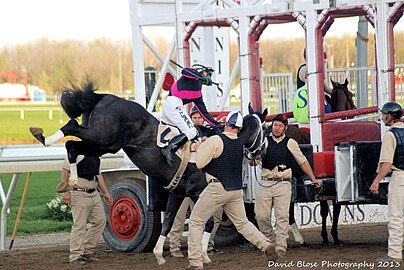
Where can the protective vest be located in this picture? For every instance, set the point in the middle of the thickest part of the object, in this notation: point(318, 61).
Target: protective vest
point(301, 105)
point(278, 155)
point(227, 168)
point(398, 160)
point(88, 168)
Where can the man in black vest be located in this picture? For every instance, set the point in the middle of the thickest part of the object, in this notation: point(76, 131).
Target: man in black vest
point(86, 204)
point(275, 188)
point(221, 158)
point(178, 225)
point(392, 160)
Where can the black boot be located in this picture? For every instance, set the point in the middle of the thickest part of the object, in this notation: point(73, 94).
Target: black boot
point(173, 146)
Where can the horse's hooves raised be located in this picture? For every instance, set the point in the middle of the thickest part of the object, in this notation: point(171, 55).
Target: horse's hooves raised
point(37, 133)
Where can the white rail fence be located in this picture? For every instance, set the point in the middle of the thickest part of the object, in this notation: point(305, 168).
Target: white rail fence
point(19, 159)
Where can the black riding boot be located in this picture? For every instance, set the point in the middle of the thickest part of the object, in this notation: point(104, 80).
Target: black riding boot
point(173, 146)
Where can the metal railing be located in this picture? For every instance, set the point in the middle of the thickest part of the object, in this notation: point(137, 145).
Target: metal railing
point(19, 159)
point(278, 88)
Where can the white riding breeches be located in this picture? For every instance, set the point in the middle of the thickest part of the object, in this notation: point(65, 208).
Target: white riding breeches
point(174, 113)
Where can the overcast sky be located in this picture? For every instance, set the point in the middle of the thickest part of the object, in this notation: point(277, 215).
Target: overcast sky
point(26, 20)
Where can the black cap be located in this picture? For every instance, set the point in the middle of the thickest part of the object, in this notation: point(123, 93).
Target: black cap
point(282, 118)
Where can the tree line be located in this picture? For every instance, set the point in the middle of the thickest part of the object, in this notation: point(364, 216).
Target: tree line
point(50, 63)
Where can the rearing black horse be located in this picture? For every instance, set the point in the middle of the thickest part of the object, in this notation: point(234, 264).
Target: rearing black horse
point(113, 123)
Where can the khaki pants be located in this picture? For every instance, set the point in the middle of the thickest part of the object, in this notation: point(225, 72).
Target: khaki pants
point(396, 215)
point(211, 199)
point(178, 226)
point(85, 206)
point(277, 195)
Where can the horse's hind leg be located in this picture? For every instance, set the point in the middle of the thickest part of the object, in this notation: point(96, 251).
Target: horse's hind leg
point(324, 214)
point(173, 204)
point(334, 229)
point(293, 226)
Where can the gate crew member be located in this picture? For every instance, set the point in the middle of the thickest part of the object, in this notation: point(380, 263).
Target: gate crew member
point(86, 204)
point(178, 225)
point(392, 159)
point(275, 188)
point(187, 89)
point(221, 158)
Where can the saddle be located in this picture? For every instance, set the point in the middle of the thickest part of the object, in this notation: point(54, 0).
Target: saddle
point(165, 133)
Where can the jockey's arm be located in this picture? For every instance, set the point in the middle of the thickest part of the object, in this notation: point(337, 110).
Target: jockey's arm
point(192, 74)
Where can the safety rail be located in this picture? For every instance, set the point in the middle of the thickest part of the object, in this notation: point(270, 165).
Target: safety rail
point(17, 159)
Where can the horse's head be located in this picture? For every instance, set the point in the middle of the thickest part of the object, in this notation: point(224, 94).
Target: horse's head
point(341, 97)
point(253, 134)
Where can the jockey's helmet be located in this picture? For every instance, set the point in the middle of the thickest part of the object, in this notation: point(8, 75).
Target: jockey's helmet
point(234, 119)
point(193, 110)
point(392, 108)
point(202, 65)
point(282, 118)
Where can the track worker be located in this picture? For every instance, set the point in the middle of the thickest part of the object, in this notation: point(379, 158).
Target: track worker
point(221, 157)
point(187, 89)
point(275, 188)
point(86, 204)
point(392, 160)
point(179, 221)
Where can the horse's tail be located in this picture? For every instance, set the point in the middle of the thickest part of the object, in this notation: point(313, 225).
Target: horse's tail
point(76, 100)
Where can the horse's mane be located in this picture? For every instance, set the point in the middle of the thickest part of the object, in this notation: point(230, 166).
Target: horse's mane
point(78, 99)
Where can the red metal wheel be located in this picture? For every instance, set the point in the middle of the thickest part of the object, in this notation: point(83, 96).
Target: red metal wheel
point(125, 217)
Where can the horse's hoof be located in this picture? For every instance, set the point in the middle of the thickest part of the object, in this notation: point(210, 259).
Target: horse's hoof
point(160, 260)
point(304, 245)
point(206, 259)
point(37, 133)
point(339, 243)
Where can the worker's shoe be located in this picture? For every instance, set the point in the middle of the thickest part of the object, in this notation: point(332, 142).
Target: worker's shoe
point(194, 267)
point(177, 254)
point(387, 258)
point(281, 253)
point(271, 253)
point(79, 261)
point(89, 258)
point(215, 251)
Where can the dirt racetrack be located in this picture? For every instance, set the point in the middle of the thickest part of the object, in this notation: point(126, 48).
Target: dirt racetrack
point(363, 245)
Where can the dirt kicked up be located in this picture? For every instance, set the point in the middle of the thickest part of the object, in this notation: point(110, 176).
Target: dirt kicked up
point(363, 244)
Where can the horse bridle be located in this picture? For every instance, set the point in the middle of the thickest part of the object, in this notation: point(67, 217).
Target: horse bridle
point(259, 138)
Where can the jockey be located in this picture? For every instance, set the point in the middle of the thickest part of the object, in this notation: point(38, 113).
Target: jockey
point(301, 102)
point(187, 89)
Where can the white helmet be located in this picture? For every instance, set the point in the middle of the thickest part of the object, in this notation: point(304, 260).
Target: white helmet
point(234, 119)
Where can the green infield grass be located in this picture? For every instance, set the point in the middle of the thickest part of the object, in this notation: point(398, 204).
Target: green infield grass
point(15, 121)
point(35, 219)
